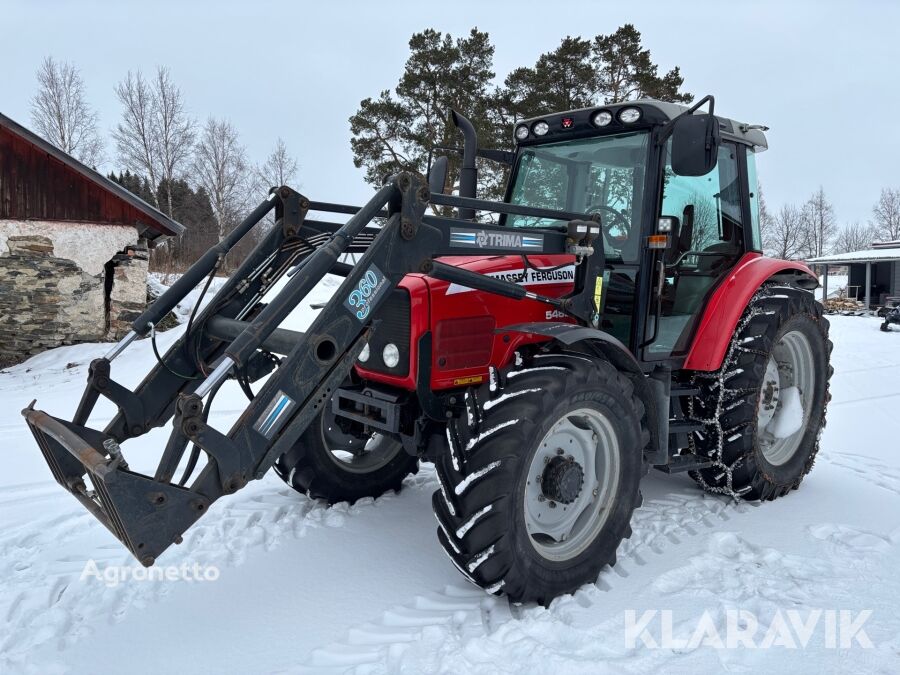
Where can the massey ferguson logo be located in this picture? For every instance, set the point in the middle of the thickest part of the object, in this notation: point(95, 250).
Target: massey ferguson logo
point(530, 277)
point(469, 238)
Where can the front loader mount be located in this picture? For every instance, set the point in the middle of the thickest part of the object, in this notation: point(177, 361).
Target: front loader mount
point(236, 336)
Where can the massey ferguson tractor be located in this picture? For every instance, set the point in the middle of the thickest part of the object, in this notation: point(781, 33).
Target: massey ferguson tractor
point(614, 313)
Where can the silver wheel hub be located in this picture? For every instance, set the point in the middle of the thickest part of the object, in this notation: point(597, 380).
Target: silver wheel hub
point(786, 398)
point(570, 486)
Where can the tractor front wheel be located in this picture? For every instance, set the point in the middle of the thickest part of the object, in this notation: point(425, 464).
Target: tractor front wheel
point(541, 476)
point(330, 463)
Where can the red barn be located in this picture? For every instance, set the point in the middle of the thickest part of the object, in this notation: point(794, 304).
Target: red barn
point(73, 248)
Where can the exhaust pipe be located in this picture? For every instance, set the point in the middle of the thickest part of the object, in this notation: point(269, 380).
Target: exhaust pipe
point(468, 175)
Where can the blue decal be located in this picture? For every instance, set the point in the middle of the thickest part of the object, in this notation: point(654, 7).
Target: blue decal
point(370, 288)
point(275, 415)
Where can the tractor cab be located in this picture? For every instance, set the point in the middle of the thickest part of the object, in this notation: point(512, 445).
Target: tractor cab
point(676, 194)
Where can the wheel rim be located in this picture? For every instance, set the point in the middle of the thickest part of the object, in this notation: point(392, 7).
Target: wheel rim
point(785, 401)
point(562, 531)
point(357, 453)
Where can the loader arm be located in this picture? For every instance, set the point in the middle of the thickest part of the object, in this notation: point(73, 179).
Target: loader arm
point(236, 333)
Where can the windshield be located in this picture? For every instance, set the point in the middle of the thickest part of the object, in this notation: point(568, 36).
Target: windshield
point(603, 174)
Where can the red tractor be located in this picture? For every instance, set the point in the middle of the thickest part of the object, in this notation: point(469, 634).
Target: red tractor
point(619, 315)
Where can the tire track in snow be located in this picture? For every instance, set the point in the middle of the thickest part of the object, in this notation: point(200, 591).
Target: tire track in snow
point(44, 601)
point(870, 469)
point(28, 492)
point(863, 399)
point(467, 611)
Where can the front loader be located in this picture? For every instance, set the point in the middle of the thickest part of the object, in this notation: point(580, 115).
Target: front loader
point(617, 316)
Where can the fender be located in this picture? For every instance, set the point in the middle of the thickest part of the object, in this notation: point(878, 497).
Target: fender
point(568, 334)
point(728, 301)
point(591, 340)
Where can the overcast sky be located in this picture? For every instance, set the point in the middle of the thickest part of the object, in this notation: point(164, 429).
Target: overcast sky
point(824, 76)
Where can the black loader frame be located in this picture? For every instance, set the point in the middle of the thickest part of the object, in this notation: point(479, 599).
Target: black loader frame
point(238, 336)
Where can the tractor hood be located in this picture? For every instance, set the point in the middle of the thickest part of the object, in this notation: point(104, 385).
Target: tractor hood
point(464, 326)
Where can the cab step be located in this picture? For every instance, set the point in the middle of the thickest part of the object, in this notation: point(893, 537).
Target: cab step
point(684, 426)
point(682, 463)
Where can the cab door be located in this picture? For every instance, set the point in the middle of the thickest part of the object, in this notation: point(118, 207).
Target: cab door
point(708, 215)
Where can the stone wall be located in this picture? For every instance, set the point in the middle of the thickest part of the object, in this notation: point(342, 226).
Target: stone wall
point(128, 295)
point(63, 283)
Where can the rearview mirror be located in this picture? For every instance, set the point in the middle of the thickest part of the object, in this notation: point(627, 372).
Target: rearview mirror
point(695, 145)
point(437, 175)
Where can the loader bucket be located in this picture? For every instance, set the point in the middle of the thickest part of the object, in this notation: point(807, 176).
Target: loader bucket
point(145, 515)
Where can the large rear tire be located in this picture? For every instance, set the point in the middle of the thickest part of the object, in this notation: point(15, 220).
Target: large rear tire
point(541, 476)
point(764, 410)
point(328, 463)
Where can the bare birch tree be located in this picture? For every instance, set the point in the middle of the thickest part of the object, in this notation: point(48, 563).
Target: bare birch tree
point(220, 167)
point(820, 226)
point(887, 215)
point(135, 135)
point(155, 136)
point(786, 234)
point(854, 237)
point(61, 114)
point(174, 131)
point(766, 219)
point(280, 168)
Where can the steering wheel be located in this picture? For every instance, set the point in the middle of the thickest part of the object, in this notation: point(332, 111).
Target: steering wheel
point(620, 222)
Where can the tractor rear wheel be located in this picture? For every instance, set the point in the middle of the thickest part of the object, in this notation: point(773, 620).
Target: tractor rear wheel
point(541, 476)
point(339, 466)
point(764, 410)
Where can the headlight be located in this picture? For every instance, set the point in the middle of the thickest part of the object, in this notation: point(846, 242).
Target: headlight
point(364, 354)
point(630, 115)
point(522, 132)
point(601, 118)
point(391, 355)
point(541, 128)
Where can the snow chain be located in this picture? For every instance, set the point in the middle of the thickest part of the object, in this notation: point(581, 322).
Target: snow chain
point(719, 378)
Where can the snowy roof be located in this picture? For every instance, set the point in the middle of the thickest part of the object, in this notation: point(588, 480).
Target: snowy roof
point(869, 255)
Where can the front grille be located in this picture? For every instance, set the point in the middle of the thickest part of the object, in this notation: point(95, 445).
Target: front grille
point(391, 324)
point(465, 342)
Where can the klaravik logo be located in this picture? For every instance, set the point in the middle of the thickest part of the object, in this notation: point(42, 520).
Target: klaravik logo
point(743, 629)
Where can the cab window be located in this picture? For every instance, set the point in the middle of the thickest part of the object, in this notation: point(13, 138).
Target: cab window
point(601, 174)
point(706, 240)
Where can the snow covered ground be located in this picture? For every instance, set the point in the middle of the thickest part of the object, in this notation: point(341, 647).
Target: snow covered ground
point(302, 588)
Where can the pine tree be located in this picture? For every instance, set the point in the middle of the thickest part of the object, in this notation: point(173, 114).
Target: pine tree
point(581, 73)
point(625, 71)
point(191, 208)
point(398, 130)
point(135, 184)
point(563, 79)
